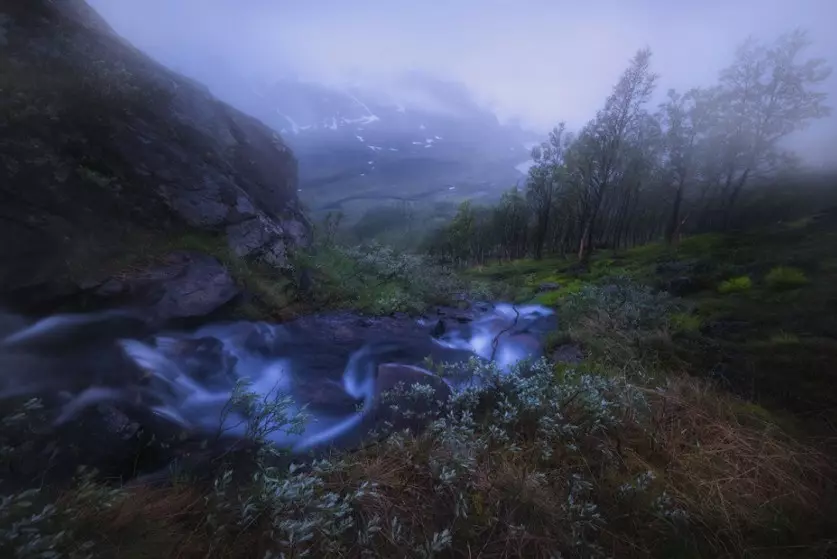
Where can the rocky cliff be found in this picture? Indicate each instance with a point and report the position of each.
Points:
(100, 145)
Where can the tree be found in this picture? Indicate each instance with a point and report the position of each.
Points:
(685, 119)
(544, 183)
(604, 138)
(510, 225)
(767, 93)
(630, 176)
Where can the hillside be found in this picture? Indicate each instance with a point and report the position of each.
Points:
(105, 150)
(624, 442)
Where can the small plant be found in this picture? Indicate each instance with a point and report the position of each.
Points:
(785, 277)
(738, 284)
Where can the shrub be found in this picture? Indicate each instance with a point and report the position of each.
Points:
(378, 279)
(619, 305)
(735, 285)
(785, 277)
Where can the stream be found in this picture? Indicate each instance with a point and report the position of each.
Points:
(328, 365)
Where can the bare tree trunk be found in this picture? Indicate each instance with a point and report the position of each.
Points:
(584, 247)
(733, 198)
(674, 220)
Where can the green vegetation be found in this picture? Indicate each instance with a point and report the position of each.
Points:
(377, 279)
(738, 284)
(685, 432)
(622, 455)
(785, 277)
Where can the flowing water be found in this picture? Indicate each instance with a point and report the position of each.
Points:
(326, 364)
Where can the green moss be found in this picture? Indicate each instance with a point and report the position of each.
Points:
(554, 298)
(735, 285)
(785, 277)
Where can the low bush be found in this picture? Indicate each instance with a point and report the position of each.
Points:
(785, 277)
(620, 305)
(738, 284)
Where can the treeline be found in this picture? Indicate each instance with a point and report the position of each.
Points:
(707, 159)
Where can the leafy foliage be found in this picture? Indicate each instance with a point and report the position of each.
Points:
(707, 160)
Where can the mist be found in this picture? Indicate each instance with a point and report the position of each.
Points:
(536, 61)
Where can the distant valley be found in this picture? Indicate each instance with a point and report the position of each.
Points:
(425, 140)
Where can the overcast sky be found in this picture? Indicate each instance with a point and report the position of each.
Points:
(540, 60)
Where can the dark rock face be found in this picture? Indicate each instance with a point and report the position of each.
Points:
(101, 144)
(184, 285)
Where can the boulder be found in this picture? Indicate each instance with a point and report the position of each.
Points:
(438, 329)
(325, 395)
(184, 284)
(203, 359)
(102, 146)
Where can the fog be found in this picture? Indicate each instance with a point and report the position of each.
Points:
(540, 61)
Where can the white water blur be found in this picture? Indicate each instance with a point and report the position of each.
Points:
(494, 334)
(487, 331)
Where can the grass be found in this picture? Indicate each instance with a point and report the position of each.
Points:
(731, 337)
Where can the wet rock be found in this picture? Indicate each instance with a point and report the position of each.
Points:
(184, 285)
(203, 359)
(325, 395)
(438, 329)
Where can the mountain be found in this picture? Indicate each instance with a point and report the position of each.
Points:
(417, 138)
(101, 145)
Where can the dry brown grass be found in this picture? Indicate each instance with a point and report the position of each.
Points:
(739, 475)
